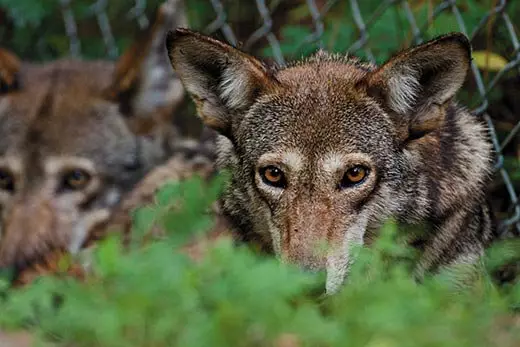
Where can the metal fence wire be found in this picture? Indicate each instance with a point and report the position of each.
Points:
(261, 26)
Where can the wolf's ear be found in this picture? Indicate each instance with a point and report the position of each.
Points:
(221, 79)
(430, 74)
(9, 67)
(144, 84)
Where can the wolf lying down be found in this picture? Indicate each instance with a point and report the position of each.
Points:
(328, 148)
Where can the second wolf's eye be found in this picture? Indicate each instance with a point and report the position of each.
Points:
(353, 176)
(76, 179)
(6, 181)
(273, 176)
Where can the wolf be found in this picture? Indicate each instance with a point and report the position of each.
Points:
(192, 157)
(75, 136)
(328, 148)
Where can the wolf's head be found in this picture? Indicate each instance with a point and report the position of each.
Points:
(320, 151)
(75, 136)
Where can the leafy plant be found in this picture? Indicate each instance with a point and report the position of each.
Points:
(154, 295)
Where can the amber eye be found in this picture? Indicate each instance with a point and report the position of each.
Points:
(353, 176)
(273, 176)
(6, 181)
(76, 179)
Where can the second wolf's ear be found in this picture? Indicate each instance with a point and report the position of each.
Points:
(222, 80)
(9, 67)
(430, 74)
(144, 84)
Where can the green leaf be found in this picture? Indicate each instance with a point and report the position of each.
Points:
(168, 193)
(143, 220)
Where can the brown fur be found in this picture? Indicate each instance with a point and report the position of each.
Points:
(428, 159)
(179, 167)
(108, 120)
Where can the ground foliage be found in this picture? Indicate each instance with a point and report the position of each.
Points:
(154, 295)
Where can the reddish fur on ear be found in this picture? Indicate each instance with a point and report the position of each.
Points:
(9, 67)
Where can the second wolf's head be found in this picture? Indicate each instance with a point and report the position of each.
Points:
(326, 149)
(75, 136)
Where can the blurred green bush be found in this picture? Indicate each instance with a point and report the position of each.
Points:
(155, 296)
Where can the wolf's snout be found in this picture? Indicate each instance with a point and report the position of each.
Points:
(317, 238)
(313, 253)
(308, 236)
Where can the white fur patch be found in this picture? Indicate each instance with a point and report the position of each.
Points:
(292, 159)
(13, 163)
(468, 258)
(338, 263)
(113, 197)
(175, 91)
(404, 87)
(55, 164)
(333, 162)
(276, 237)
(234, 88)
(83, 226)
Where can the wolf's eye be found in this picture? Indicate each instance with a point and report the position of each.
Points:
(353, 176)
(273, 176)
(76, 179)
(6, 181)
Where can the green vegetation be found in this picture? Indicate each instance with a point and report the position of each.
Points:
(153, 295)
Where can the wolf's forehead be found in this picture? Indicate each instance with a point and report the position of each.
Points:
(319, 118)
(324, 67)
(61, 115)
(317, 124)
(63, 87)
(104, 141)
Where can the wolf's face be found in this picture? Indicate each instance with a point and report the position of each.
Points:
(316, 161)
(66, 157)
(74, 137)
(320, 151)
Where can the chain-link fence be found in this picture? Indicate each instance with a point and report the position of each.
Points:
(282, 30)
